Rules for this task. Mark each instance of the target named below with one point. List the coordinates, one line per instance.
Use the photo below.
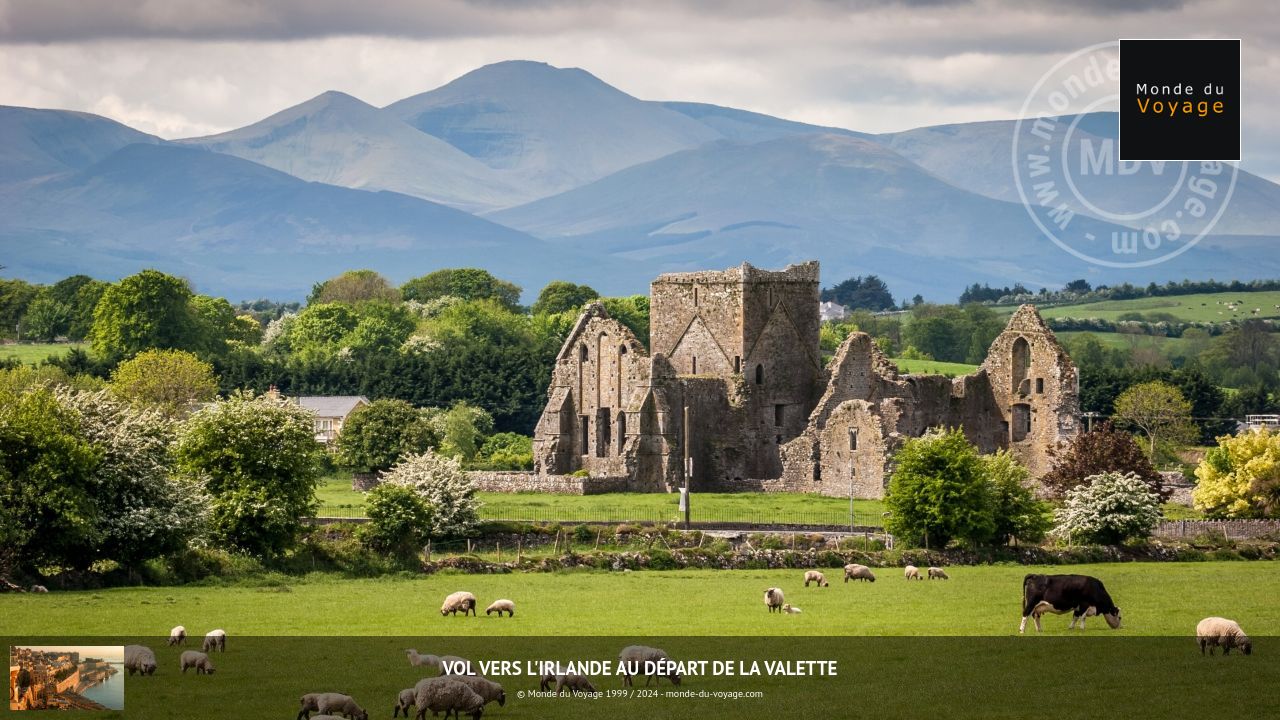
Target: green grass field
(901, 649)
(32, 353)
(1204, 307)
(1167, 346)
(934, 367)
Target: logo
(1082, 196)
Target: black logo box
(1187, 68)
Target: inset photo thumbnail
(66, 677)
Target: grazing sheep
(484, 687)
(447, 694)
(638, 655)
(937, 573)
(331, 703)
(460, 601)
(415, 659)
(911, 572)
(815, 576)
(858, 572)
(39, 589)
(403, 702)
(773, 599)
(1213, 632)
(139, 659)
(177, 636)
(552, 675)
(501, 606)
(574, 684)
(215, 639)
(197, 660)
(791, 609)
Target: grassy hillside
(934, 367)
(33, 353)
(1205, 307)
(1166, 345)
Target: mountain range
(540, 173)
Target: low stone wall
(1232, 529)
(529, 481)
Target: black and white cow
(1080, 595)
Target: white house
(331, 412)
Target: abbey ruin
(736, 353)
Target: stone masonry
(737, 352)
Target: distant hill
(39, 143)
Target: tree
(172, 381)
(869, 293)
(1111, 509)
(353, 287)
(258, 460)
(939, 491)
(462, 430)
(400, 520)
(560, 296)
(15, 296)
(632, 311)
(446, 491)
(320, 328)
(1078, 286)
(1017, 513)
(464, 283)
(1104, 449)
(506, 451)
(141, 312)
(1159, 411)
(377, 435)
(1240, 478)
(46, 317)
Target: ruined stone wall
(705, 306)
(530, 481)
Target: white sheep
(416, 659)
(1213, 632)
(938, 574)
(791, 609)
(773, 599)
(403, 702)
(815, 576)
(501, 606)
(177, 636)
(484, 687)
(574, 683)
(39, 589)
(197, 660)
(854, 571)
(215, 640)
(911, 572)
(461, 601)
(634, 657)
(331, 703)
(447, 694)
(139, 659)
(552, 675)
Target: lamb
(937, 573)
(331, 703)
(501, 606)
(215, 640)
(791, 609)
(815, 576)
(575, 684)
(858, 572)
(911, 572)
(447, 694)
(197, 660)
(139, 659)
(415, 659)
(460, 601)
(634, 657)
(177, 636)
(484, 687)
(1213, 632)
(403, 702)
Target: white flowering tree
(1109, 509)
(447, 492)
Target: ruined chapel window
(759, 374)
(737, 363)
(582, 353)
(585, 432)
(1021, 362)
(695, 364)
(695, 296)
(622, 349)
(779, 411)
(622, 431)
(1039, 386)
(853, 439)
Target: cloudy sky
(178, 68)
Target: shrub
(939, 492)
(1112, 508)
(1016, 511)
(506, 451)
(1105, 449)
(400, 520)
(446, 491)
(376, 436)
(1241, 477)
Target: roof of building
(338, 406)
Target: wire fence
(650, 516)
